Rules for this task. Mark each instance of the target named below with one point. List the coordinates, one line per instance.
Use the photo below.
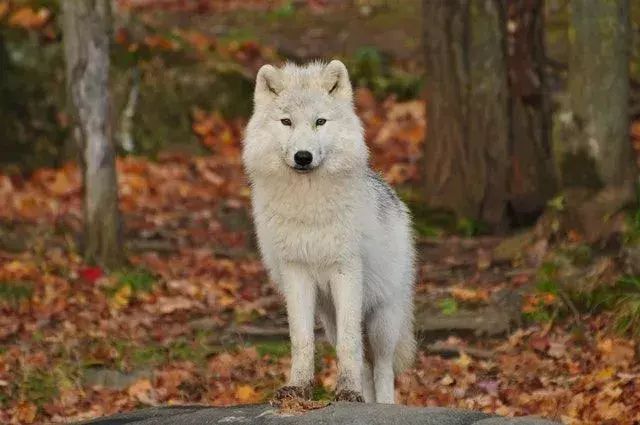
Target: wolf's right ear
(269, 84)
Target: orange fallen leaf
(245, 393)
(156, 41)
(574, 237)
(63, 185)
(27, 17)
(4, 8)
(142, 391)
(605, 374)
(466, 294)
(26, 412)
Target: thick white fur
(336, 240)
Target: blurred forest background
(129, 275)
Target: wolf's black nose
(303, 158)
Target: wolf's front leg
(346, 289)
(300, 294)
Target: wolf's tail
(405, 350)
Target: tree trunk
(466, 151)
(533, 177)
(87, 28)
(598, 153)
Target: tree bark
(466, 149)
(599, 151)
(533, 177)
(87, 28)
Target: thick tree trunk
(87, 28)
(466, 151)
(533, 178)
(598, 153)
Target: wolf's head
(304, 122)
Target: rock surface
(337, 413)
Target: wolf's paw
(349, 396)
(290, 391)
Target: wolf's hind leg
(368, 388)
(383, 330)
(327, 315)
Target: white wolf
(333, 235)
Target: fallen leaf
(4, 8)
(168, 305)
(557, 349)
(466, 294)
(143, 392)
(447, 380)
(122, 296)
(245, 393)
(464, 360)
(27, 17)
(91, 274)
(26, 412)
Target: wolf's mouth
(302, 169)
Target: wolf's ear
(269, 83)
(335, 79)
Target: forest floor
(193, 318)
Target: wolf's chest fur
(308, 222)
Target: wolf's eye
(286, 121)
(320, 121)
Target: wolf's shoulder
(387, 197)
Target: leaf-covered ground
(193, 319)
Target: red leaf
(91, 274)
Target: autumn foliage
(187, 321)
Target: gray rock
(113, 379)
(497, 317)
(337, 413)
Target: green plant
(285, 11)
(138, 280)
(539, 315)
(274, 349)
(633, 218)
(15, 291)
(321, 393)
(372, 69)
(448, 306)
(39, 386)
(469, 228)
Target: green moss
(372, 69)
(448, 306)
(320, 393)
(274, 349)
(138, 280)
(15, 291)
(168, 94)
(39, 386)
(196, 348)
(148, 356)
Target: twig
(565, 298)
(448, 350)
(549, 325)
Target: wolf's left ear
(335, 79)
(268, 83)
